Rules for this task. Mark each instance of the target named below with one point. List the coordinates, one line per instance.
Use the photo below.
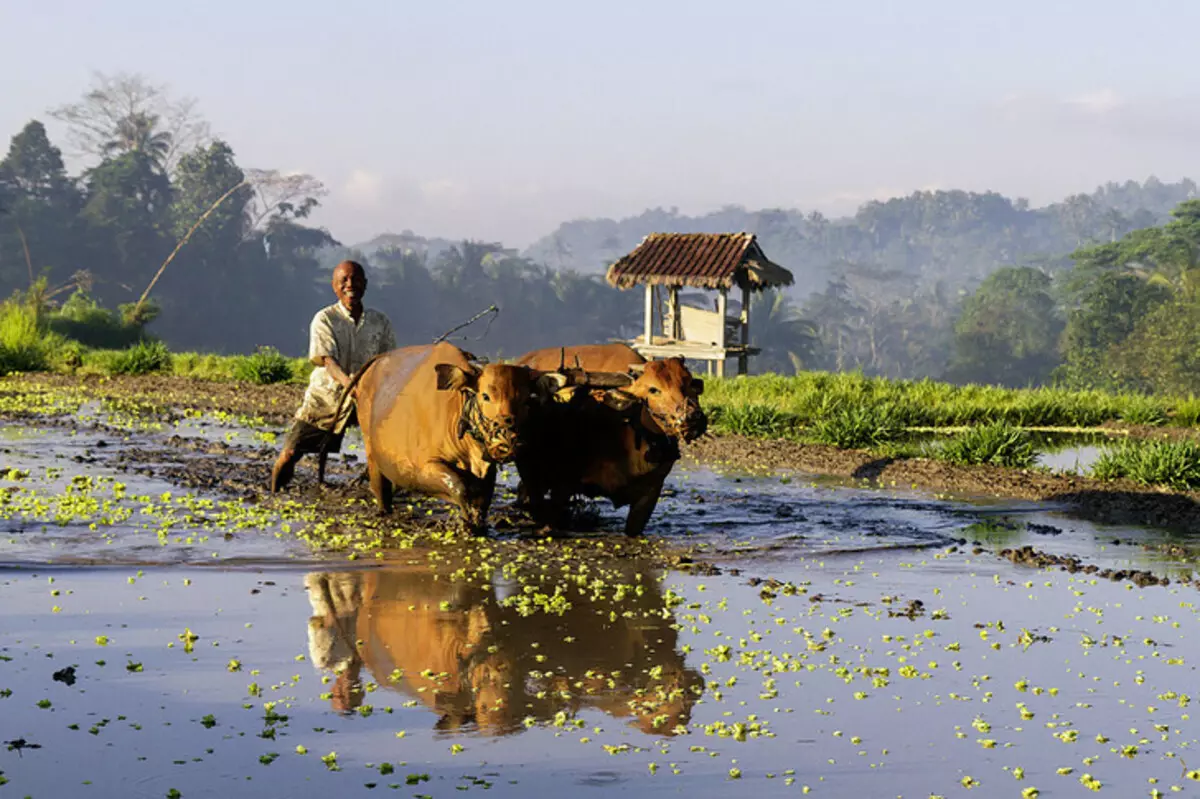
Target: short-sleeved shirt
(334, 334)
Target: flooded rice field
(166, 630)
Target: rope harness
(472, 422)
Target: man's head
(349, 284)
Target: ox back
(592, 357)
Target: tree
(124, 112)
(278, 196)
(1108, 312)
(39, 231)
(139, 133)
(1008, 331)
(128, 212)
(788, 341)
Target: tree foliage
(1008, 330)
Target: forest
(1099, 290)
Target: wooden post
(676, 331)
(722, 309)
(743, 356)
(649, 314)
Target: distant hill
(953, 237)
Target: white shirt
(333, 333)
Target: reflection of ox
(620, 444)
(436, 423)
(477, 663)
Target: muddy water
(881, 656)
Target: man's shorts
(305, 438)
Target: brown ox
(435, 423)
(619, 444)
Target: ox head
(670, 395)
(498, 399)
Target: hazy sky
(501, 119)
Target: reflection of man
(342, 338)
(335, 600)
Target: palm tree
(138, 133)
(787, 340)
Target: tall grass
(807, 399)
(997, 443)
(858, 426)
(264, 366)
(25, 345)
(143, 358)
(1167, 463)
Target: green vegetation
(852, 426)
(1167, 463)
(264, 366)
(25, 345)
(804, 400)
(998, 444)
(142, 358)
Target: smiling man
(342, 338)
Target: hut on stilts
(687, 325)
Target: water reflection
(480, 661)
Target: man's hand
(335, 371)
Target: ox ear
(619, 400)
(697, 386)
(455, 378)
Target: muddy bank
(1108, 502)
(275, 404)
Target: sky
(501, 120)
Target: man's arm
(335, 371)
(322, 349)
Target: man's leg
(334, 444)
(302, 439)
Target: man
(342, 338)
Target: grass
(858, 426)
(143, 358)
(25, 345)
(258, 368)
(997, 443)
(1175, 464)
(807, 399)
(263, 367)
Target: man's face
(349, 284)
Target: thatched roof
(699, 260)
